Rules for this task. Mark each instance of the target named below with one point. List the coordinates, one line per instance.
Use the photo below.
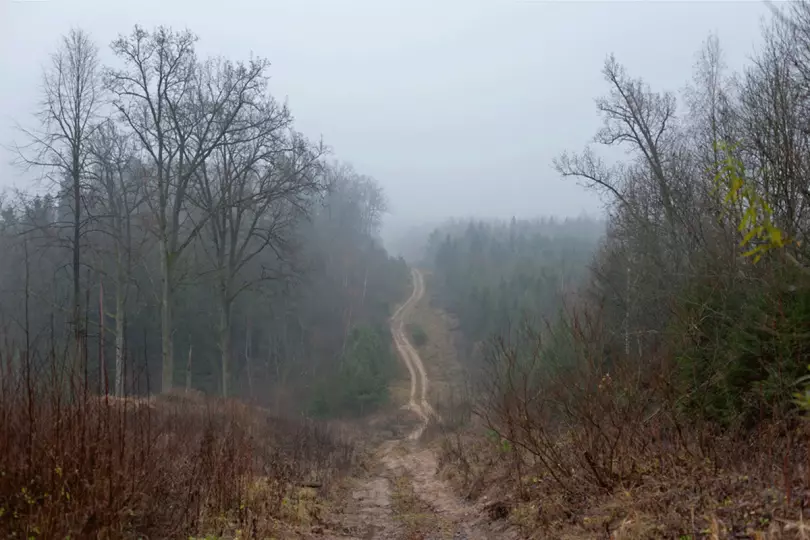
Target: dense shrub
(363, 376)
(418, 335)
(85, 466)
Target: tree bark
(225, 341)
(77, 216)
(248, 354)
(120, 315)
(167, 380)
(79, 366)
(188, 366)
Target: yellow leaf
(776, 237)
(748, 237)
(754, 251)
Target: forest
(679, 356)
(183, 240)
(204, 335)
(498, 277)
(188, 235)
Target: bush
(418, 335)
(571, 426)
(739, 346)
(364, 372)
(86, 466)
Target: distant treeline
(496, 276)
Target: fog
(456, 108)
(262, 247)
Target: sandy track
(419, 381)
(370, 513)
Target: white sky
(456, 106)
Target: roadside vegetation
(173, 466)
(195, 309)
(191, 278)
(667, 398)
(417, 334)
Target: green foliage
(802, 399)
(756, 221)
(418, 335)
(362, 380)
(502, 444)
(719, 354)
(742, 347)
(739, 338)
(496, 276)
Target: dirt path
(402, 497)
(418, 402)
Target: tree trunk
(272, 352)
(225, 341)
(248, 354)
(627, 314)
(167, 344)
(119, 348)
(365, 283)
(120, 314)
(188, 366)
(103, 383)
(77, 215)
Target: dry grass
(418, 519)
(739, 493)
(77, 465)
(591, 454)
(585, 453)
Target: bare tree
(633, 115)
(120, 192)
(255, 190)
(709, 100)
(710, 125)
(654, 230)
(180, 111)
(774, 123)
(61, 144)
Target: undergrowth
(74, 464)
(587, 449)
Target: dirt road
(418, 402)
(402, 497)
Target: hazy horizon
(456, 109)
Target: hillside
(213, 326)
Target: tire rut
(371, 514)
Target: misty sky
(456, 106)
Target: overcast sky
(456, 106)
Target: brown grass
(79, 465)
(417, 518)
(596, 454)
(738, 493)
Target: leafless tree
(656, 226)
(119, 188)
(774, 118)
(180, 110)
(633, 115)
(61, 144)
(255, 187)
